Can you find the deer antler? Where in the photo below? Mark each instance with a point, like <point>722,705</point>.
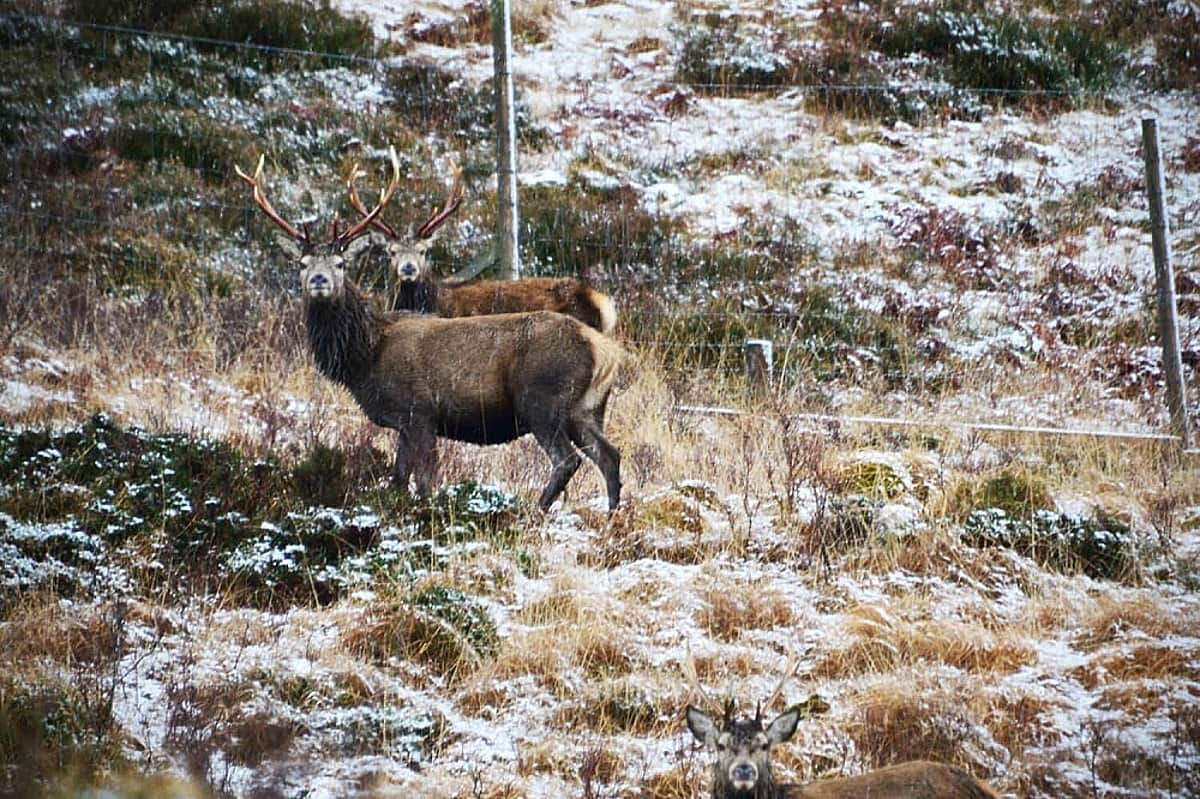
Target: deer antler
<point>453,200</point>
<point>688,667</point>
<point>357,205</point>
<point>370,217</point>
<point>787,673</point>
<point>260,198</point>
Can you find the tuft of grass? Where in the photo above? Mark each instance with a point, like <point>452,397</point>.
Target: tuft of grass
<point>893,727</point>
<point>728,612</point>
<point>445,629</point>
<point>1017,492</point>
<point>883,643</point>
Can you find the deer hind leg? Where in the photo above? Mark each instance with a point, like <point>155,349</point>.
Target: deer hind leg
<point>564,459</point>
<point>416,455</point>
<point>589,437</point>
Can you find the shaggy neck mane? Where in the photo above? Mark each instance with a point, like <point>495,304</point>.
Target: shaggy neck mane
<point>419,296</point>
<point>342,334</point>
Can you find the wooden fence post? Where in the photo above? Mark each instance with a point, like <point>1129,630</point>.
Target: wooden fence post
<point>760,365</point>
<point>1168,327</point>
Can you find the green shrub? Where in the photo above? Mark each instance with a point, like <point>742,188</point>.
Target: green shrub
<point>1098,545</point>
<point>622,707</point>
<point>574,229</point>
<point>1000,55</point>
<point>732,56</point>
<point>429,97</point>
<point>462,612</point>
<point>189,137</point>
<point>282,24</point>
<point>1015,492</point>
<point>402,734</point>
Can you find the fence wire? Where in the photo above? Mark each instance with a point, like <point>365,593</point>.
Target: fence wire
<point>182,110</point>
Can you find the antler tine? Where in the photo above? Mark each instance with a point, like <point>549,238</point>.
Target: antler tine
<point>358,206</point>
<point>454,200</point>
<point>260,198</point>
<point>787,673</point>
<point>688,666</point>
<point>385,197</point>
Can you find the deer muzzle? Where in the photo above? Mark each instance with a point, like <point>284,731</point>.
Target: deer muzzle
<point>319,285</point>
<point>743,775</point>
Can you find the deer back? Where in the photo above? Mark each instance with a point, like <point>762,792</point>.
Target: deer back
<point>565,295</point>
<point>916,779</point>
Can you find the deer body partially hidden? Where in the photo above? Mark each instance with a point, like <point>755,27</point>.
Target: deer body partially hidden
<point>483,380</point>
<point>419,291</point>
<point>415,288</point>
<point>743,767</point>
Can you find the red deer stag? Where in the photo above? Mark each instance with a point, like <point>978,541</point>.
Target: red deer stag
<point>482,380</point>
<point>414,287</point>
<point>743,766</point>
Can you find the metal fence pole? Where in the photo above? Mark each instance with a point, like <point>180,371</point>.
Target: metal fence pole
<point>506,142</point>
<point>1168,328</point>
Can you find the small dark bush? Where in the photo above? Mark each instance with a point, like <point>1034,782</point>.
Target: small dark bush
<point>462,612</point>
<point>1016,492</point>
<point>1099,545</point>
<point>733,57</point>
<point>427,96</point>
<point>191,138</point>
<point>1001,53</point>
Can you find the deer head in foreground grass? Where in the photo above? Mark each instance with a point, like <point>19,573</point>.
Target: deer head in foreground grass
<point>482,380</point>
<point>743,766</point>
<point>414,288</point>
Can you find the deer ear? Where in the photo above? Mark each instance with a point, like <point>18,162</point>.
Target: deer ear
<point>702,726</point>
<point>355,247</point>
<point>784,726</point>
<point>290,246</point>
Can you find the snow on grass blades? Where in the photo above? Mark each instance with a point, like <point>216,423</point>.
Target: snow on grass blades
<point>98,508</point>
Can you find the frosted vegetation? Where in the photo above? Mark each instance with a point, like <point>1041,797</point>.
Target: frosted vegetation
<point>934,210</point>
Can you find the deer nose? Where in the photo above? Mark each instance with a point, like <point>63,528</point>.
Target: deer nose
<point>408,270</point>
<point>318,282</point>
<point>744,774</point>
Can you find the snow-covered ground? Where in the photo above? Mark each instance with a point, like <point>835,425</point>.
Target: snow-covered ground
<point>1044,677</point>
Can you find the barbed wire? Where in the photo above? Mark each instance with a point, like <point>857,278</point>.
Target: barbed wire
<point>384,63</point>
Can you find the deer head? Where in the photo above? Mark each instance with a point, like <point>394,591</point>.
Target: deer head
<point>742,745</point>
<point>322,262</point>
<point>743,748</point>
<point>408,255</point>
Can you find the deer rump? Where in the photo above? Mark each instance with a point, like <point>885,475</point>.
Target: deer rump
<point>565,295</point>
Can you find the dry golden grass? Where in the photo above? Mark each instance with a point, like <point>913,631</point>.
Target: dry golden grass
<point>893,725</point>
<point>884,642</point>
<point>730,609</point>
<point>1157,661</point>
<point>537,654</point>
<point>1110,619</point>
<point>43,629</point>
<point>402,631</point>
<point>1018,722</point>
